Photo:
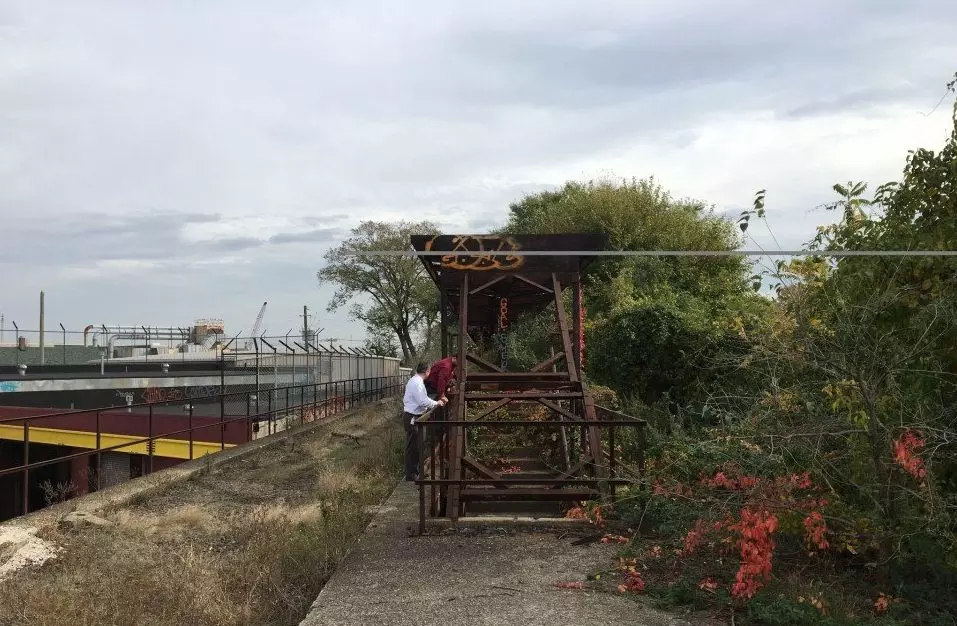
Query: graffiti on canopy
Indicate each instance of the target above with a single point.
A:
(476, 246)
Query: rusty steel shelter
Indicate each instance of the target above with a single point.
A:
(478, 292)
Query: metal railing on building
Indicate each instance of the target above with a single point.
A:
(242, 416)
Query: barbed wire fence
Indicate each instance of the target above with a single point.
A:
(269, 376)
(228, 376)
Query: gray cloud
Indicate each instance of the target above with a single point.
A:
(327, 235)
(865, 99)
(236, 243)
(326, 219)
(143, 237)
(144, 148)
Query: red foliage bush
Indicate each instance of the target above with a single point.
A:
(750, 531)
(907, 448)
(756, 547)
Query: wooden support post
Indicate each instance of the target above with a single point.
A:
(564, 434)
(457, 432)
(594, 435)
(611, 462)
(444, 326)
(420, 434)
(563, 330)
(642, 442)
(576, 324)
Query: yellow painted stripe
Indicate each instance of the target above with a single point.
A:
(172, 448)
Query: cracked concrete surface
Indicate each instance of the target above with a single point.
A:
(20, 547)
(475, 577)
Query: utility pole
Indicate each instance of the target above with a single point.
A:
(305, 324)
(42, 348)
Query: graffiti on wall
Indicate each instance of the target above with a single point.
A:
(162, 394)
(202, 391)
(10, 386)
(469, 252)
(165, 394)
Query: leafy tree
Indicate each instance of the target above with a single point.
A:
(382, 342)
(638, 215)
(389, 294)
(868, 364)
(650, 319)
(667, 347)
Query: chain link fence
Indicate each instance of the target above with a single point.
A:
(238, 377)
(72, 423)
(266, 377)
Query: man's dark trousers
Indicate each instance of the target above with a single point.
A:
(433, 433)
(411, 447)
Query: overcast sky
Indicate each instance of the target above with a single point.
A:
(162, 161)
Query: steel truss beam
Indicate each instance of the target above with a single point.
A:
(476, 288)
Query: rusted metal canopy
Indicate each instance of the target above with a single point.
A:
(525, 280)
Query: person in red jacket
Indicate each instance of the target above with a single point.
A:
(440, 375)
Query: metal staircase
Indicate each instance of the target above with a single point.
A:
(473, 285)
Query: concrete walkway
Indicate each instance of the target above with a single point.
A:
(469, 577)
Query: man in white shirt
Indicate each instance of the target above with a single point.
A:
(415, 403)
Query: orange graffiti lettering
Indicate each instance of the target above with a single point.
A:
(162, 394)
(475, 260)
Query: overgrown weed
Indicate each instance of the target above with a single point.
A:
(197, 564)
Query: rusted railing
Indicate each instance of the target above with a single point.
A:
(434, 453)
(296, 403)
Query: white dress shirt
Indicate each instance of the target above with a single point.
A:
(416, 401)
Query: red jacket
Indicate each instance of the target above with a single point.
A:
(441, 373)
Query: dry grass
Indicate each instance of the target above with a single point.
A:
(208, 562)
(337, 479)
(190, 517)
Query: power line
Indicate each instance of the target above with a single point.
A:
(653, 253)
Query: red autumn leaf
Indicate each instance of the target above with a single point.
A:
(882, 603)
(572, 584)
(633, 583)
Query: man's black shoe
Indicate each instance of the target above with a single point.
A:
(411, 477)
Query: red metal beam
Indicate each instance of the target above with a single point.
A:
(560, 410)
(550, 361)
(483, 363)
(529, 396)
(495, 407)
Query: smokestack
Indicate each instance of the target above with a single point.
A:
(42, 349)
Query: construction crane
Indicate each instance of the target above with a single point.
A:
(256, 324)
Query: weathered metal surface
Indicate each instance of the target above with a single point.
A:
(519, 385)
(524, 280)
(487, 292)
(518, 396)
(530, 493)
(530, 377)
(469, 252)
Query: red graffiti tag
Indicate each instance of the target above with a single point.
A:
(162, 394)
